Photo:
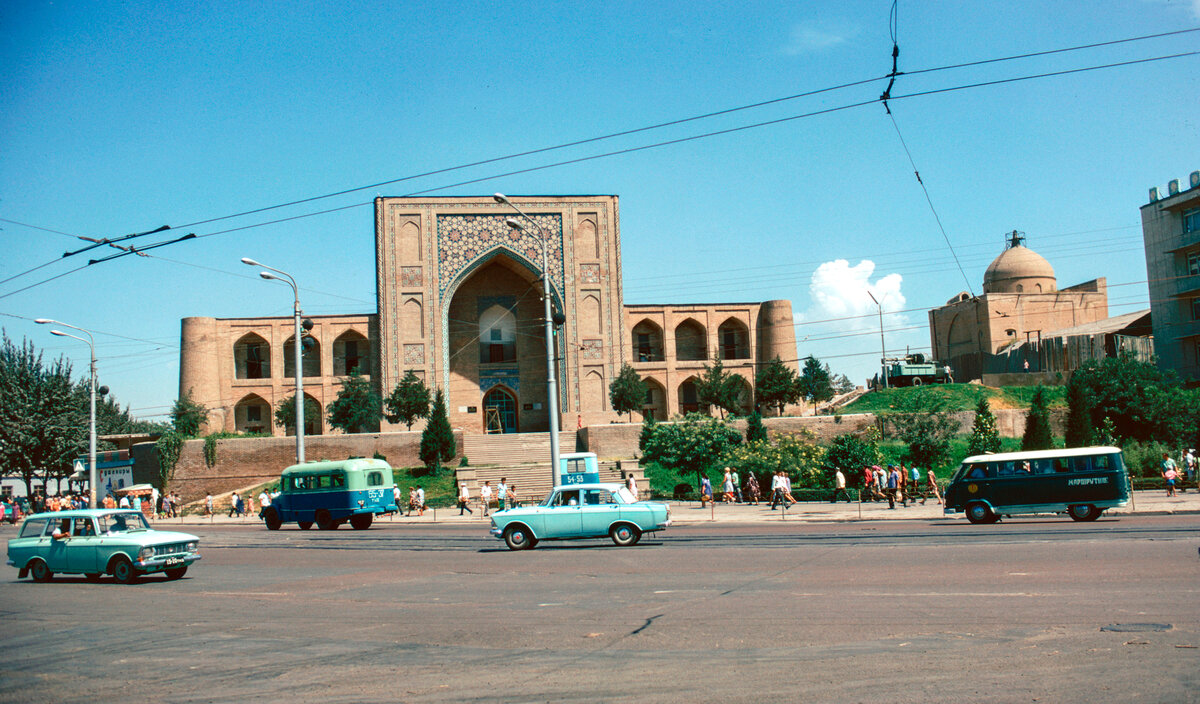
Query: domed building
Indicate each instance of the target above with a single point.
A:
(1021, 303)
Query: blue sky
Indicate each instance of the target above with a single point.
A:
(119, 118)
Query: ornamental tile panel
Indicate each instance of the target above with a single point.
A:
(414, 353)
(589, 273)
(464, 240)
(592, 349)
(410, 276)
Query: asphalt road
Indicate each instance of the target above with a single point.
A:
(896, 611)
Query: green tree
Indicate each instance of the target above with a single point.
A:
(923, 422)
(188, 415)
(1080, 431)
(693, 444)
(1037, 424)
(717, 387)
(357, 408)
(815, 383)
(1130, 393)
(408, 401)
(648, 425)
(851, 452)
(437, 440)
(842, 384)
(285, 415)
(627, 391)
(775, 385)
(43, 415)
(984, 436)
(755, 430)
(797, 454)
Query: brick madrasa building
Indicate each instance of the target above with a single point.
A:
(459, 302)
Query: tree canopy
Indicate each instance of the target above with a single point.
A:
(437, 440)
(357, 408)
(775, 385)
(188, 415)
(984, 436)
(1037, 424)
(717, 387)
(408, 401)
(692, 444)
(816, 381)
(627, 391)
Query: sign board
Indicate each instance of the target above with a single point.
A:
(578, 468)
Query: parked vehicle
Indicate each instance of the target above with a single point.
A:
(577, 511)
(1081, 482)
(93, 542)
(332, 493)
(916, 369)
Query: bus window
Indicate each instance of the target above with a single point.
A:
(1100, 463)
(1081, 464)
(1043, 467)
(1006, 469)
(978, 471)
(375, 479)
(1060, 464)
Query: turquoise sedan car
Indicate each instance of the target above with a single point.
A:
(93, 542)
(576, 511)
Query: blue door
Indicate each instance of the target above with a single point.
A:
(499, 412)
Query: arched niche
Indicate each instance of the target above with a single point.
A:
(252, 357)
(311, 356)
(647, 342)
(691, 342)
(733, 340)
(351, 354)
(252, 414)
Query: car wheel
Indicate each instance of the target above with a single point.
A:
(361, 521)
(40, 572)
(917, 381)
(304, 525)
(271, 518)
(625, 535)
(325, 521)
(177, 572)
(1084, 512)
(92, 576)
(978, 513)
(518, 537)
(123, 570)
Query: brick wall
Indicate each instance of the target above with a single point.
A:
(245, 461)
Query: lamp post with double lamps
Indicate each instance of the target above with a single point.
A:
(91, 343)
(551, 379)
(287, 279)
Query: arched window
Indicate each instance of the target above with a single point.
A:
(252, 358)
(499, 411)
(689, 400)
(351, 355)
(497, 335)
(655, 404)
(311, 356)
(252, 415)
(647, 342)
(733, 339)
(690, 342)
(313, 413)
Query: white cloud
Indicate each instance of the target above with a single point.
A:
(805, 39)
(840, 294)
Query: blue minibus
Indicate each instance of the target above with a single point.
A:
(331, 493)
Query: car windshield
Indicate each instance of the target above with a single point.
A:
(625, 496)
(111, 523)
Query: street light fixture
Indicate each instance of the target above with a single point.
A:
(287, 279)
(551, 379)
(882, 347)
(91, 343)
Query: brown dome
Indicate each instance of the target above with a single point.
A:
(1019, 269)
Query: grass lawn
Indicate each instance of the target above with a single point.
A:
(957, 397)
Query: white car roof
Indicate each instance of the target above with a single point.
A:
(606, 486)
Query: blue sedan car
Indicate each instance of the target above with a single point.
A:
(576, 511)
(93, 542)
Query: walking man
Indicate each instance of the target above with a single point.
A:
(839, 481)
(485, 496)
(502, 494)
(464, 498)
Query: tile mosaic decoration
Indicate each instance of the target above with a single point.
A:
(465, 240)
(414, 353)
(410, 276)
(589, 273)
(592, 349)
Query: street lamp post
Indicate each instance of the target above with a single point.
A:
(91, 343)
(882, 346)
(551, 379)
(287, 279)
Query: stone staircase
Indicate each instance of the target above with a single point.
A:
(523, 459)
(514, 448)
